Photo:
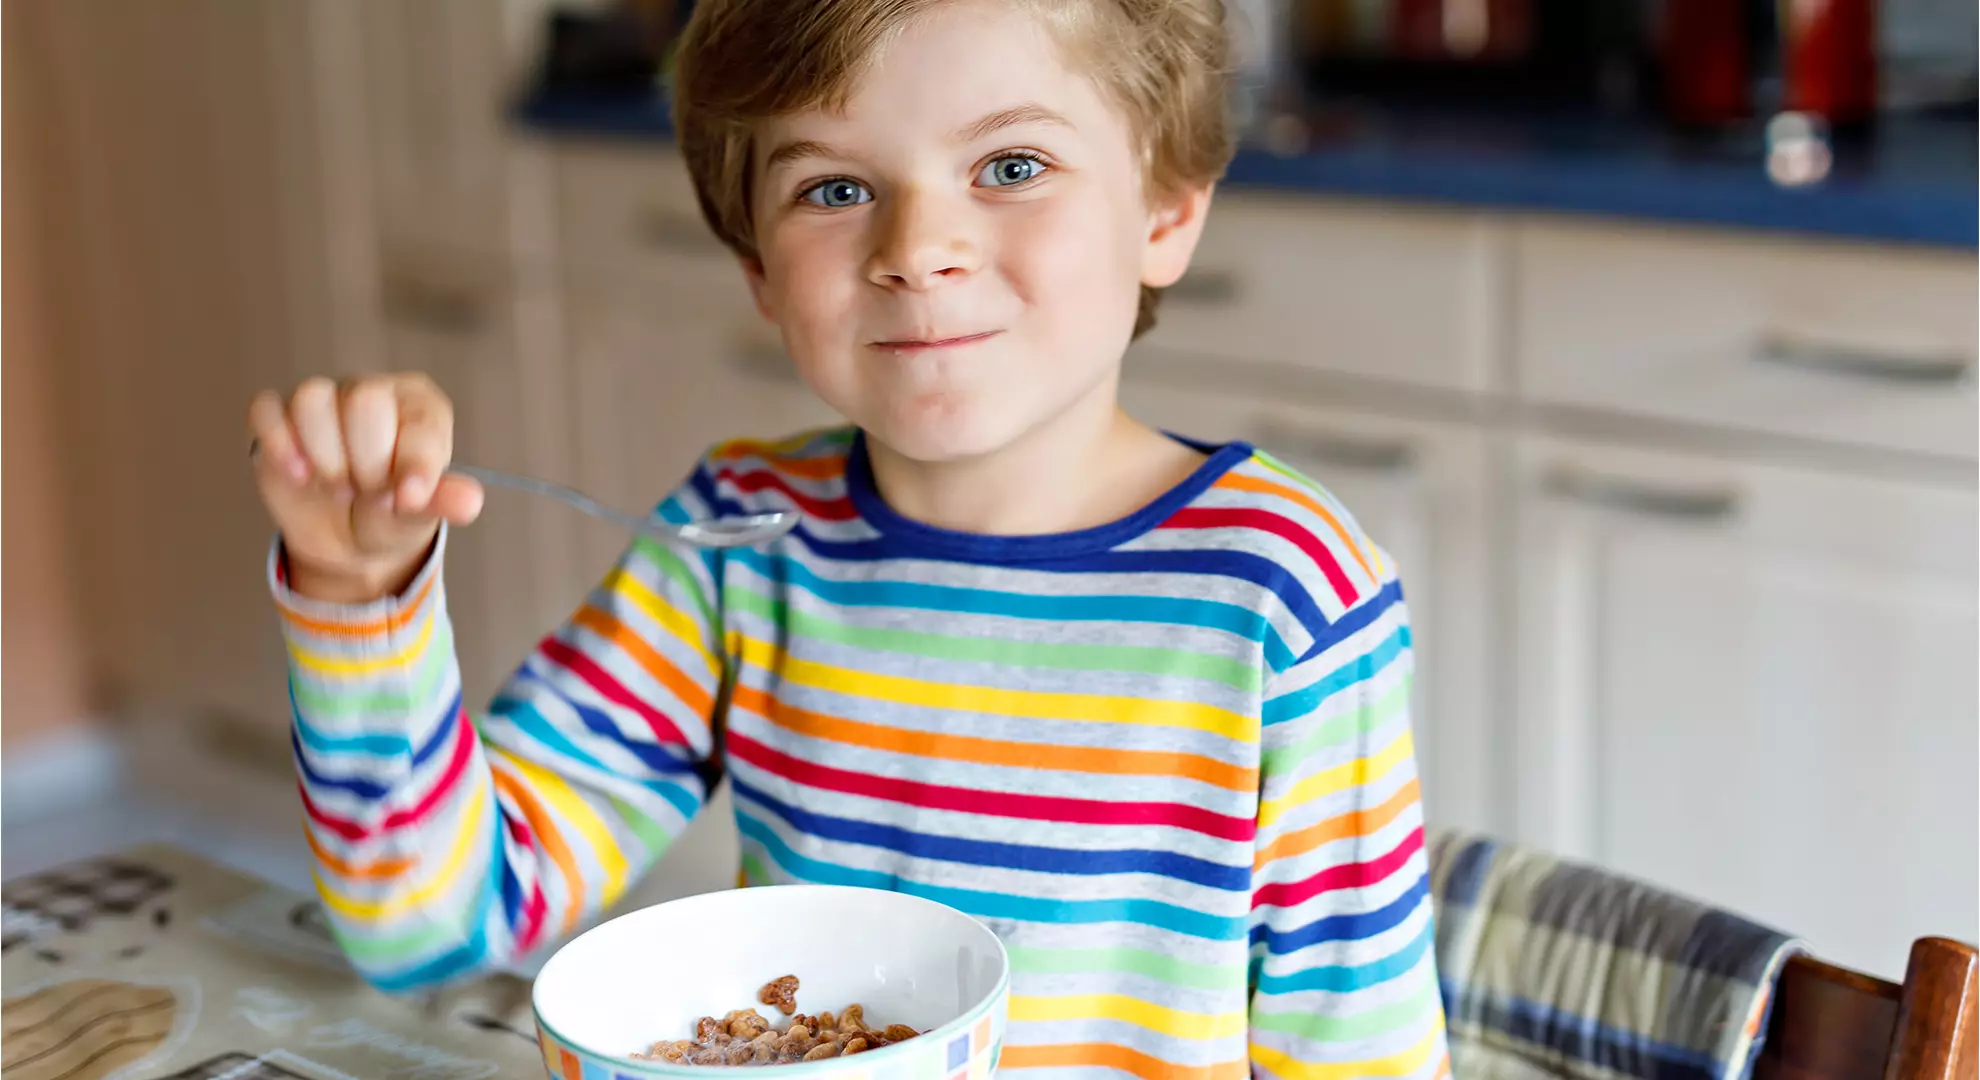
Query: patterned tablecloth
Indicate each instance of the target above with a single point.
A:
(157, 965)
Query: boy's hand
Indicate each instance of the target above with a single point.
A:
(355, 476)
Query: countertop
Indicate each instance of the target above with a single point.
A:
(1912, 180)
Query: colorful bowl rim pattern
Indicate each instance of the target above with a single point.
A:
(966, 1048)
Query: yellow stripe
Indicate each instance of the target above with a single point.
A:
(1340, 778)
(575, 810)
(336, 665)
(1029, 704)
(676, 622)
(466, 840)
(1407, 1063)
(1171, 1022)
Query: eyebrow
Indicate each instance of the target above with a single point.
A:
(997, 121)
(1011, 117)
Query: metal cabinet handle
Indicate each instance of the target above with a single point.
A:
(1785, 350)
(665, 229)
(1641, 497)
(1336, 448)
(1205, 287)
(434, 308)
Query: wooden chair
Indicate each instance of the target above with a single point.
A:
(1831, 1023)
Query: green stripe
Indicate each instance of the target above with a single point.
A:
(655, 838)
(753, 870)
(1143, 660)
(1327, 1027)
(1339, 729)
(341, 704)
(392, 951)
(676, 569)
(1126, 961)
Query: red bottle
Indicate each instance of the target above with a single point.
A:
(1702, 49)
(1829, 58)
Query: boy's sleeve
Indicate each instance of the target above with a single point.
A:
(447, 843)
(1343, 970)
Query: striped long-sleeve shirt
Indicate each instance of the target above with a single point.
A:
(1167, 759)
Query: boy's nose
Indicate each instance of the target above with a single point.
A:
(923, 242)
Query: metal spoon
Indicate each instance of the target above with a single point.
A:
(716, 533)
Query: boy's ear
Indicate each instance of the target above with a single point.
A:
(1174, 226)
(752, 268)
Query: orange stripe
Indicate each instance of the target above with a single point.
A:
(1108, 1056)
(545, 828)
(981, 751)
(1353, 823)
(382, 870)
(373, 628)
(1239, 482)
(629, 642)
(818, 468)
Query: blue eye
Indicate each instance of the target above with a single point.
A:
(837, 193)
(1010, 170)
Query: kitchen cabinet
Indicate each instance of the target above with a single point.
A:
(1420, 490)
(1755, 684)
(656, 384)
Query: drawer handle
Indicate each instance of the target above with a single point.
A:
(436, 309)
(1208, 288)
(1786, 351)
(1336, 449)
(1640, 497)
(667, 230)
(763, 359)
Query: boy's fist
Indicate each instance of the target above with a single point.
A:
(355, 476)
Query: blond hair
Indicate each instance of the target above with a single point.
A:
(741, 62)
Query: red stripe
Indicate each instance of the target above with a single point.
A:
(464, 742)
(990, 803)
(839, 509)
(1347, 876)
(1284, 528)
(536, 906)
(584, 667)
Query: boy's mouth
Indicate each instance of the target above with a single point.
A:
(921, 345)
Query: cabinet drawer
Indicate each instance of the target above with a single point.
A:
(628, 222)
(1363, 290)
(1847, 344)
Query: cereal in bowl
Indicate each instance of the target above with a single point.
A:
(744, 1037)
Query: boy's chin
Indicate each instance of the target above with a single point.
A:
(944, 439)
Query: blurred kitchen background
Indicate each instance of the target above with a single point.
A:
(1641, 331)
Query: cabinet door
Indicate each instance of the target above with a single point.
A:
(1755, 685)
(656, 385)
(509, 575)
(436, 76)
(1419, 489)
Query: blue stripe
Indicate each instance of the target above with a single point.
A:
(524, 717)
(989, 905)
(1352, 927)
(660, 757)
(1158, 610)
(1362, 668)
(1045, 860)
(372, 790)
(1357, 618)
(464, 958)
(1347, 978)
(377, 745)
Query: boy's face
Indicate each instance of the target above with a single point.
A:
(955, 259)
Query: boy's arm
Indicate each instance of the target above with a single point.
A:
(444, 843)
(1343, 967)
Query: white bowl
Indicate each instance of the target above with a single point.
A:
(650, 974)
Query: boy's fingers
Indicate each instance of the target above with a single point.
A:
(313, 414)
(457, 500)
(425, 446)
(275, 446)
(370, 415)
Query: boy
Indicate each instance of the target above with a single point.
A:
(1139, 704)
